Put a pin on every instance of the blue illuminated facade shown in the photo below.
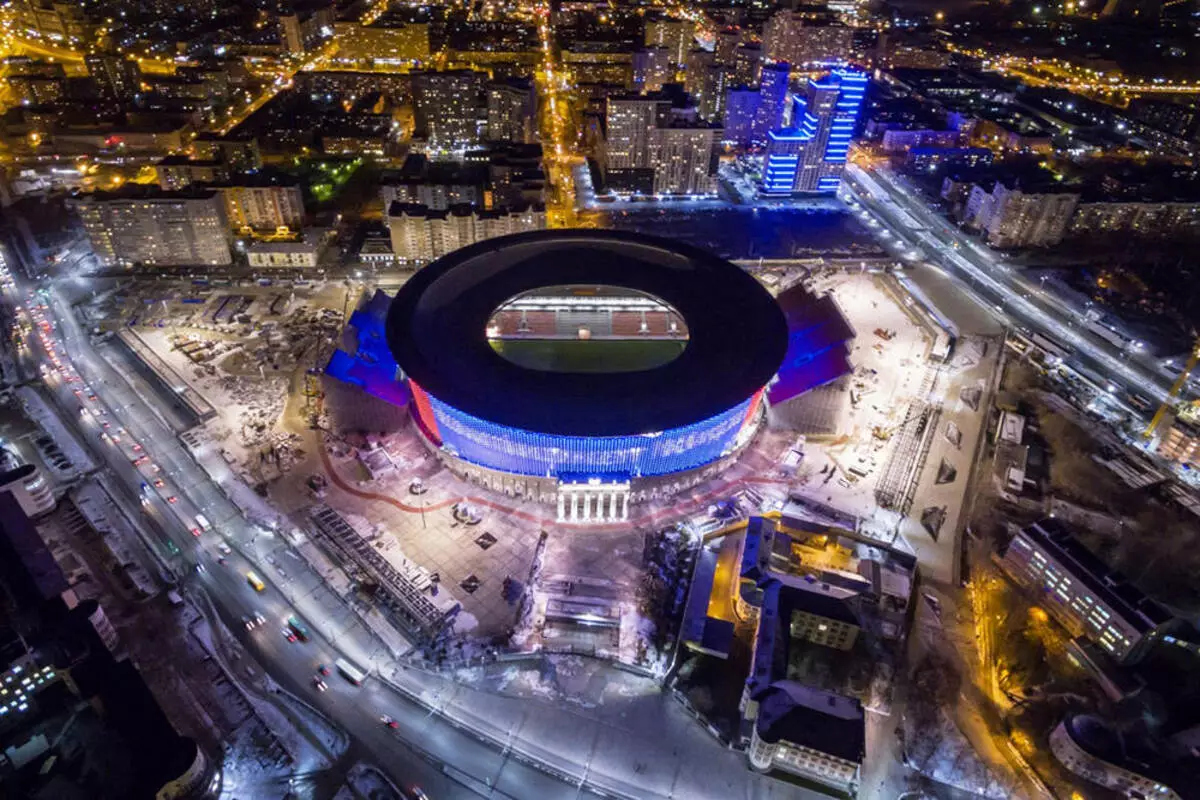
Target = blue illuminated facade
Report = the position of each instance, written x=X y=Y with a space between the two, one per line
x=512 y=450
x=810 y=156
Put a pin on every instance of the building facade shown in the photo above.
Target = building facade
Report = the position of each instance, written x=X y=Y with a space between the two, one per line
x=685 y=159
x=267 y=207
x=1181 y=443
x=810 y=155
x=772 y=101
x=652 y=69
x=450 y=108
x=1087 y=747
x=629 y=123
x=676 y=36
x=1014 y=218
x=180 y=228
x=1083 y=595
x=511 y=112
x=803 y=39
x=421 y=234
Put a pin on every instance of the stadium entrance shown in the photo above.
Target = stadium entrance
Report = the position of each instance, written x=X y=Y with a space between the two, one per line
x=598 y=329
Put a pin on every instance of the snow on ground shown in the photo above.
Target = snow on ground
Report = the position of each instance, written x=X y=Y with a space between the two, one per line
x=955 y=763
x=248 y=408
x=365 y=780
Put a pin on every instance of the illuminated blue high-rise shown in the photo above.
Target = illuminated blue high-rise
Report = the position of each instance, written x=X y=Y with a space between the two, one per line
x=810 y=156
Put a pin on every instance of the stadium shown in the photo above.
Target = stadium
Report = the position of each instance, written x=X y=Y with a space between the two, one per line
x=592 y=369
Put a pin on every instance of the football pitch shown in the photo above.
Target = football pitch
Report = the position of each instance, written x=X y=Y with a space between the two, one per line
x=591 y=355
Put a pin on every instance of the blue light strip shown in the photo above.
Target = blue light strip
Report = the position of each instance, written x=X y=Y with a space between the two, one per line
x=513 y=450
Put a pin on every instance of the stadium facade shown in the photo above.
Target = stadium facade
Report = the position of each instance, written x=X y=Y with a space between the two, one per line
x=689 y=344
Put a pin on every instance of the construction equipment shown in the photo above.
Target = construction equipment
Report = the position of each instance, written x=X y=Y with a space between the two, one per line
x=1180 y=382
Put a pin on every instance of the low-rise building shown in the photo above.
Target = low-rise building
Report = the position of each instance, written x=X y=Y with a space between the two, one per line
x=1181 y=443
x=1088 y=747
x=305 y=253
x=1081 y=593
x=932 y=159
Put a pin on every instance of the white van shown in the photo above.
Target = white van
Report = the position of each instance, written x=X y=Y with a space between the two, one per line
x=203 y=522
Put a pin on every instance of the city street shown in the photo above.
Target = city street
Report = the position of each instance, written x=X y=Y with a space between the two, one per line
x=927 y=235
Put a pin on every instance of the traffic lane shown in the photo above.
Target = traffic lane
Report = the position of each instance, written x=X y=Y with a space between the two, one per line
x=479 y=762
x=1008 y=302
x=986 y=263
x=295 y=665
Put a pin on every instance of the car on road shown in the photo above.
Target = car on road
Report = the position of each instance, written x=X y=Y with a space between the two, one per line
x=417 y=793
x=255 y=581
x=388 y=721
x=322 y=669
x=158 y=483
x=172 y=499
x=288 y=634
x=137 y=448
x=319 y=684
x=196 y=532
x=224 y=548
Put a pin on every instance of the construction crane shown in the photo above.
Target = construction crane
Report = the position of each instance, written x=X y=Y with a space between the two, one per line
x=1180 y=382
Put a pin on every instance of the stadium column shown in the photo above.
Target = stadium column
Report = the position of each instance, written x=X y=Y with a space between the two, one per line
x=561 y=504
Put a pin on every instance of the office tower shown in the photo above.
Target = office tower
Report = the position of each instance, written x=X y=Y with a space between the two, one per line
x=741 y=114
x=630 y=119
x=810 y=155
x=115 y=76
x=676 y=35
x=802 y=38
x=511 y=111
x=652 y=69
x=772 y=101
x=151 y=227
x=450 y=108
x=685 y=159
x=710 y=99
x=747 y=64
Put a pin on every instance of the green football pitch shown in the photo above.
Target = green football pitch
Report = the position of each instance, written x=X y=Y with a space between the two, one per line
x=592 y=355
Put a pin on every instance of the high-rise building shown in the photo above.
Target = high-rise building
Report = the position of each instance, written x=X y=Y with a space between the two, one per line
x=710 y=99
x=772 y=101
x=810 y=154
x=422 y=234
x=303 y=31
x=264 y=204
x=747 y=63
x=1012 y=217
x=685 y=159
x=676 y=35
x=115 y=76
x=741 y=114
x=652 y=69
x=450 y=108
x=648 y=151
x=630 y=119
x=805 y=38
x=136 y=226
x=694 y=68
x=511 y=111
x=727 y=43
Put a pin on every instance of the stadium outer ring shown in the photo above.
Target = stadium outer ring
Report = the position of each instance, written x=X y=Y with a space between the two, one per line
x=436 y=329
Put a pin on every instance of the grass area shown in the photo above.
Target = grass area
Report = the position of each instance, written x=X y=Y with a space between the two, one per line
x=593 y=355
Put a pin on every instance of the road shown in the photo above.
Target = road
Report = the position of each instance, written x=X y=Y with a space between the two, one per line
x=69 y=366
x=888 y=203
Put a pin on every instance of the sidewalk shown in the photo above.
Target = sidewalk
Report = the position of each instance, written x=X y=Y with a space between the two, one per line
x=646 y=747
